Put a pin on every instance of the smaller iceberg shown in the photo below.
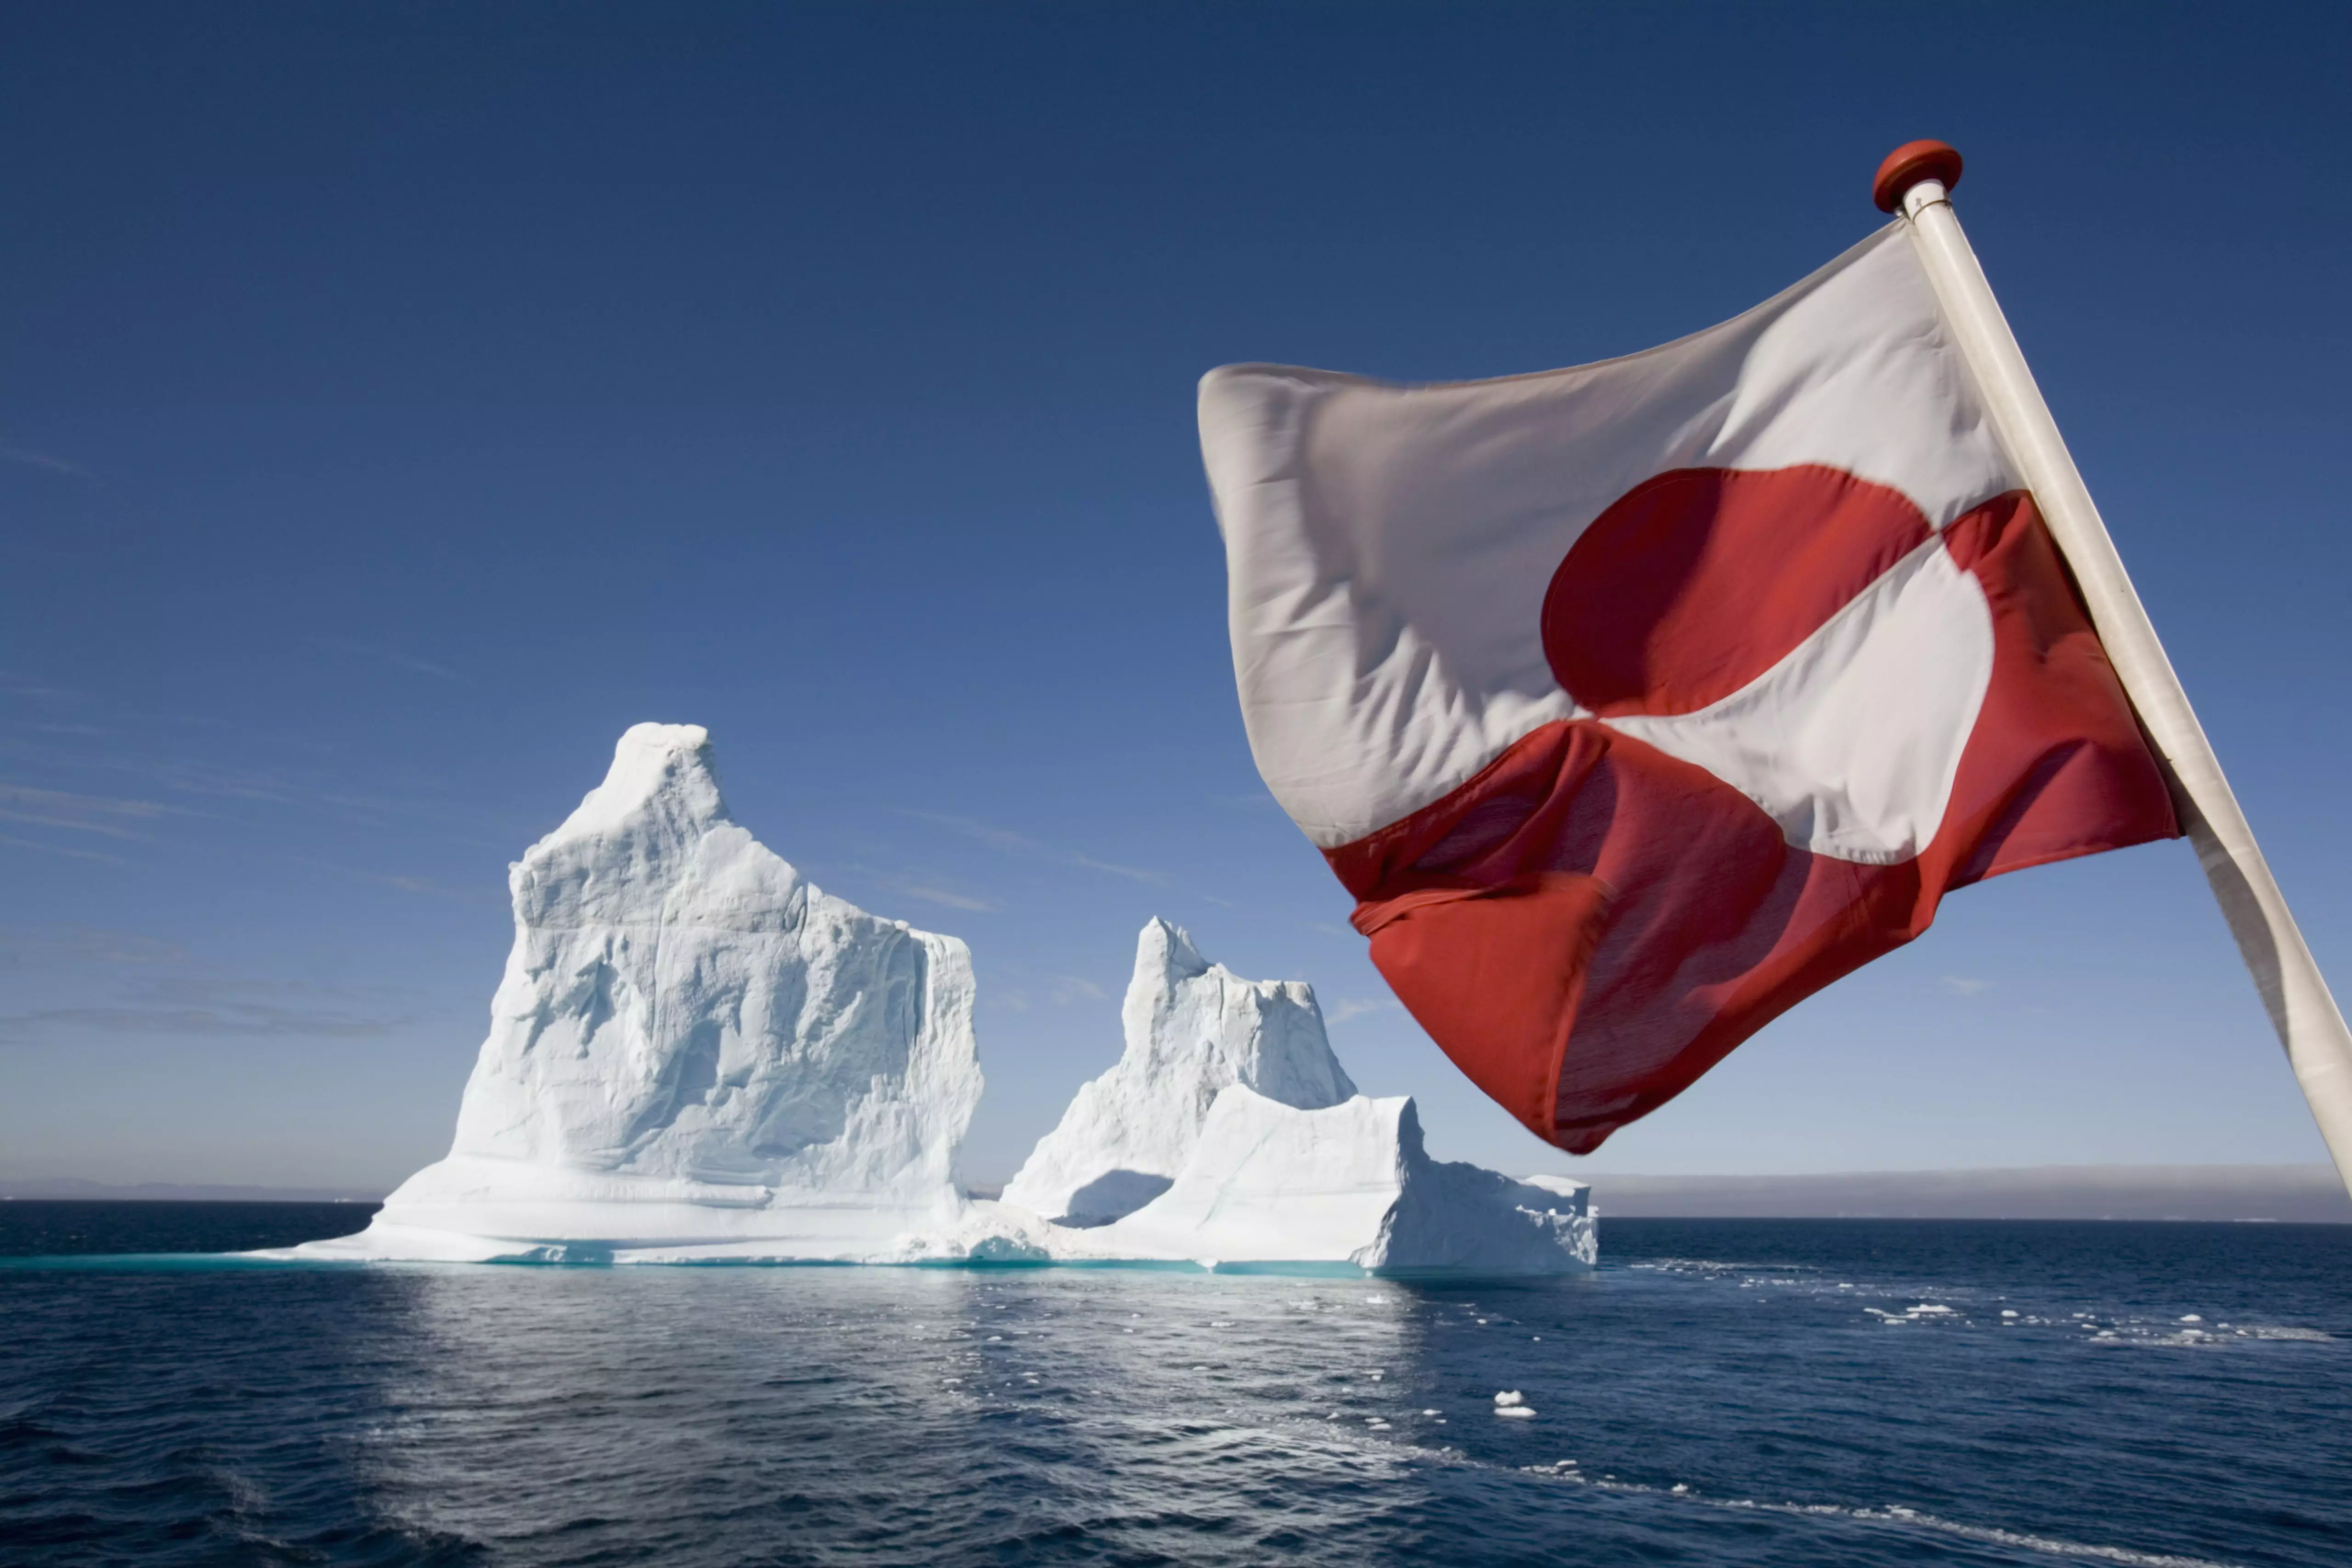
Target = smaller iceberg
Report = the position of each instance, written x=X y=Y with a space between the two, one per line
x=1245 y=1145
x=1193 y=1029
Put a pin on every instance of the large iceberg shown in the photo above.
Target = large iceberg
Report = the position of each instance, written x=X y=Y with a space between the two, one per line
x=697 y=1053
x=697 y=1056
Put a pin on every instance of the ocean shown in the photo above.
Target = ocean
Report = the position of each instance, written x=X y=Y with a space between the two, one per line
x=1813 y=1391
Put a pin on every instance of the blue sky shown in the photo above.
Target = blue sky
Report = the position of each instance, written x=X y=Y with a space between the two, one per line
x=397 y=402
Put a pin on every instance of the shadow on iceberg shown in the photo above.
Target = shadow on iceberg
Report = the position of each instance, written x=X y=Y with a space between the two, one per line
x=1112 y=1196
x=698 y=1057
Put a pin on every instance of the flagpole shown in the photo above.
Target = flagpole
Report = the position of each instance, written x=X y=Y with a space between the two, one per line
x=1916 y=180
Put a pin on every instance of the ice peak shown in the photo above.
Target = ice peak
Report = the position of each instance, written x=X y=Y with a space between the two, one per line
x=658 y=770
x=1164 y=953
x=1192 y=1028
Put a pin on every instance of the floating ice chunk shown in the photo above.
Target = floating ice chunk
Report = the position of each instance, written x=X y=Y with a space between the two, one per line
x=1516 y=1413
x=1508 y=1397
x=2192 y=1318
x=2009 y=1311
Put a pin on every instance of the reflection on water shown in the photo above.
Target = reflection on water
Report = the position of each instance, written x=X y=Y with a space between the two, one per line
x=850 y=1403
x=1898 y=1397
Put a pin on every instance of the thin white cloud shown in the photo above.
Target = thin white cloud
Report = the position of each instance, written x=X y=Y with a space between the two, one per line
x=1002 y=838
x=1347 y=1007
x=1068 y=988
x=17 y=683
x=246 y=1009
x=942 y=897
x=393 y=657
x=1964 y=987
x=1133 y=874
x=11 y=453
x=109 y=815
x=927 y=886
x=68 y=851
x=87 y=944
x=406 y=884
x=1006 y=841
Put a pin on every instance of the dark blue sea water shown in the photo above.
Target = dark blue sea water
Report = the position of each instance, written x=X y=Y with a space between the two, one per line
x=1734 y=1392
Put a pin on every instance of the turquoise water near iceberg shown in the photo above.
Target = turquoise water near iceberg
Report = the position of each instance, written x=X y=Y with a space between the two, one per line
x=1736 y=1392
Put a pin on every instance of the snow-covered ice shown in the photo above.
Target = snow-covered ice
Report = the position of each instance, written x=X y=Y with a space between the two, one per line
x=1192 y=1027
x=1228 y=1105
x=695 y=1055
x=1348 y=1185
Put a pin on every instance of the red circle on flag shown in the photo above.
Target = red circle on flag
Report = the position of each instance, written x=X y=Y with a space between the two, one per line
x=1697 y=582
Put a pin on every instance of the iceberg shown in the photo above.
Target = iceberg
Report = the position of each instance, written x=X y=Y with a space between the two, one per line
x=696 y=1053
x=1229 y=1136
x=1192 y=1027
x=697 y=1056
x=1270 y=1186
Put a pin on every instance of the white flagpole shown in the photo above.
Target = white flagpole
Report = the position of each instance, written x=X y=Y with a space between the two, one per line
x=1916 y=179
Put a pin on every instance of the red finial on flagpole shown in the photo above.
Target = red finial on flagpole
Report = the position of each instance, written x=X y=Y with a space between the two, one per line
x=1910 y=163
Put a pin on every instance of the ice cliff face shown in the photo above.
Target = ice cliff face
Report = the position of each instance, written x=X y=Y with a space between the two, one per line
x=694 y=1043
x=1192 y=1027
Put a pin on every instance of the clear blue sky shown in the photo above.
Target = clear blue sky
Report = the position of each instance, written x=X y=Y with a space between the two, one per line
x=397 y=402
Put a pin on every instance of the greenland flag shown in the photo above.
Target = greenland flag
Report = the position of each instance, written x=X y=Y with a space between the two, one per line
x=1636 y=702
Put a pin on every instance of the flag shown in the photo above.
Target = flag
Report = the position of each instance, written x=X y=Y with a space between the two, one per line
x=1635 y=703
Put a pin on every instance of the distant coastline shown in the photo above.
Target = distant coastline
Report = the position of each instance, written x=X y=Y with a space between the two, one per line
x=58 y=1188
x=2277 y=1193
x=2285 y=1194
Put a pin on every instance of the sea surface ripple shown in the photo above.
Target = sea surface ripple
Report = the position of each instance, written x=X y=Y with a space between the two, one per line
x=1823 y=1393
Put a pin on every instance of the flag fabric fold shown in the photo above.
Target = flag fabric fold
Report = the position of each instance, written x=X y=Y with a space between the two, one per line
x=1635 y=703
